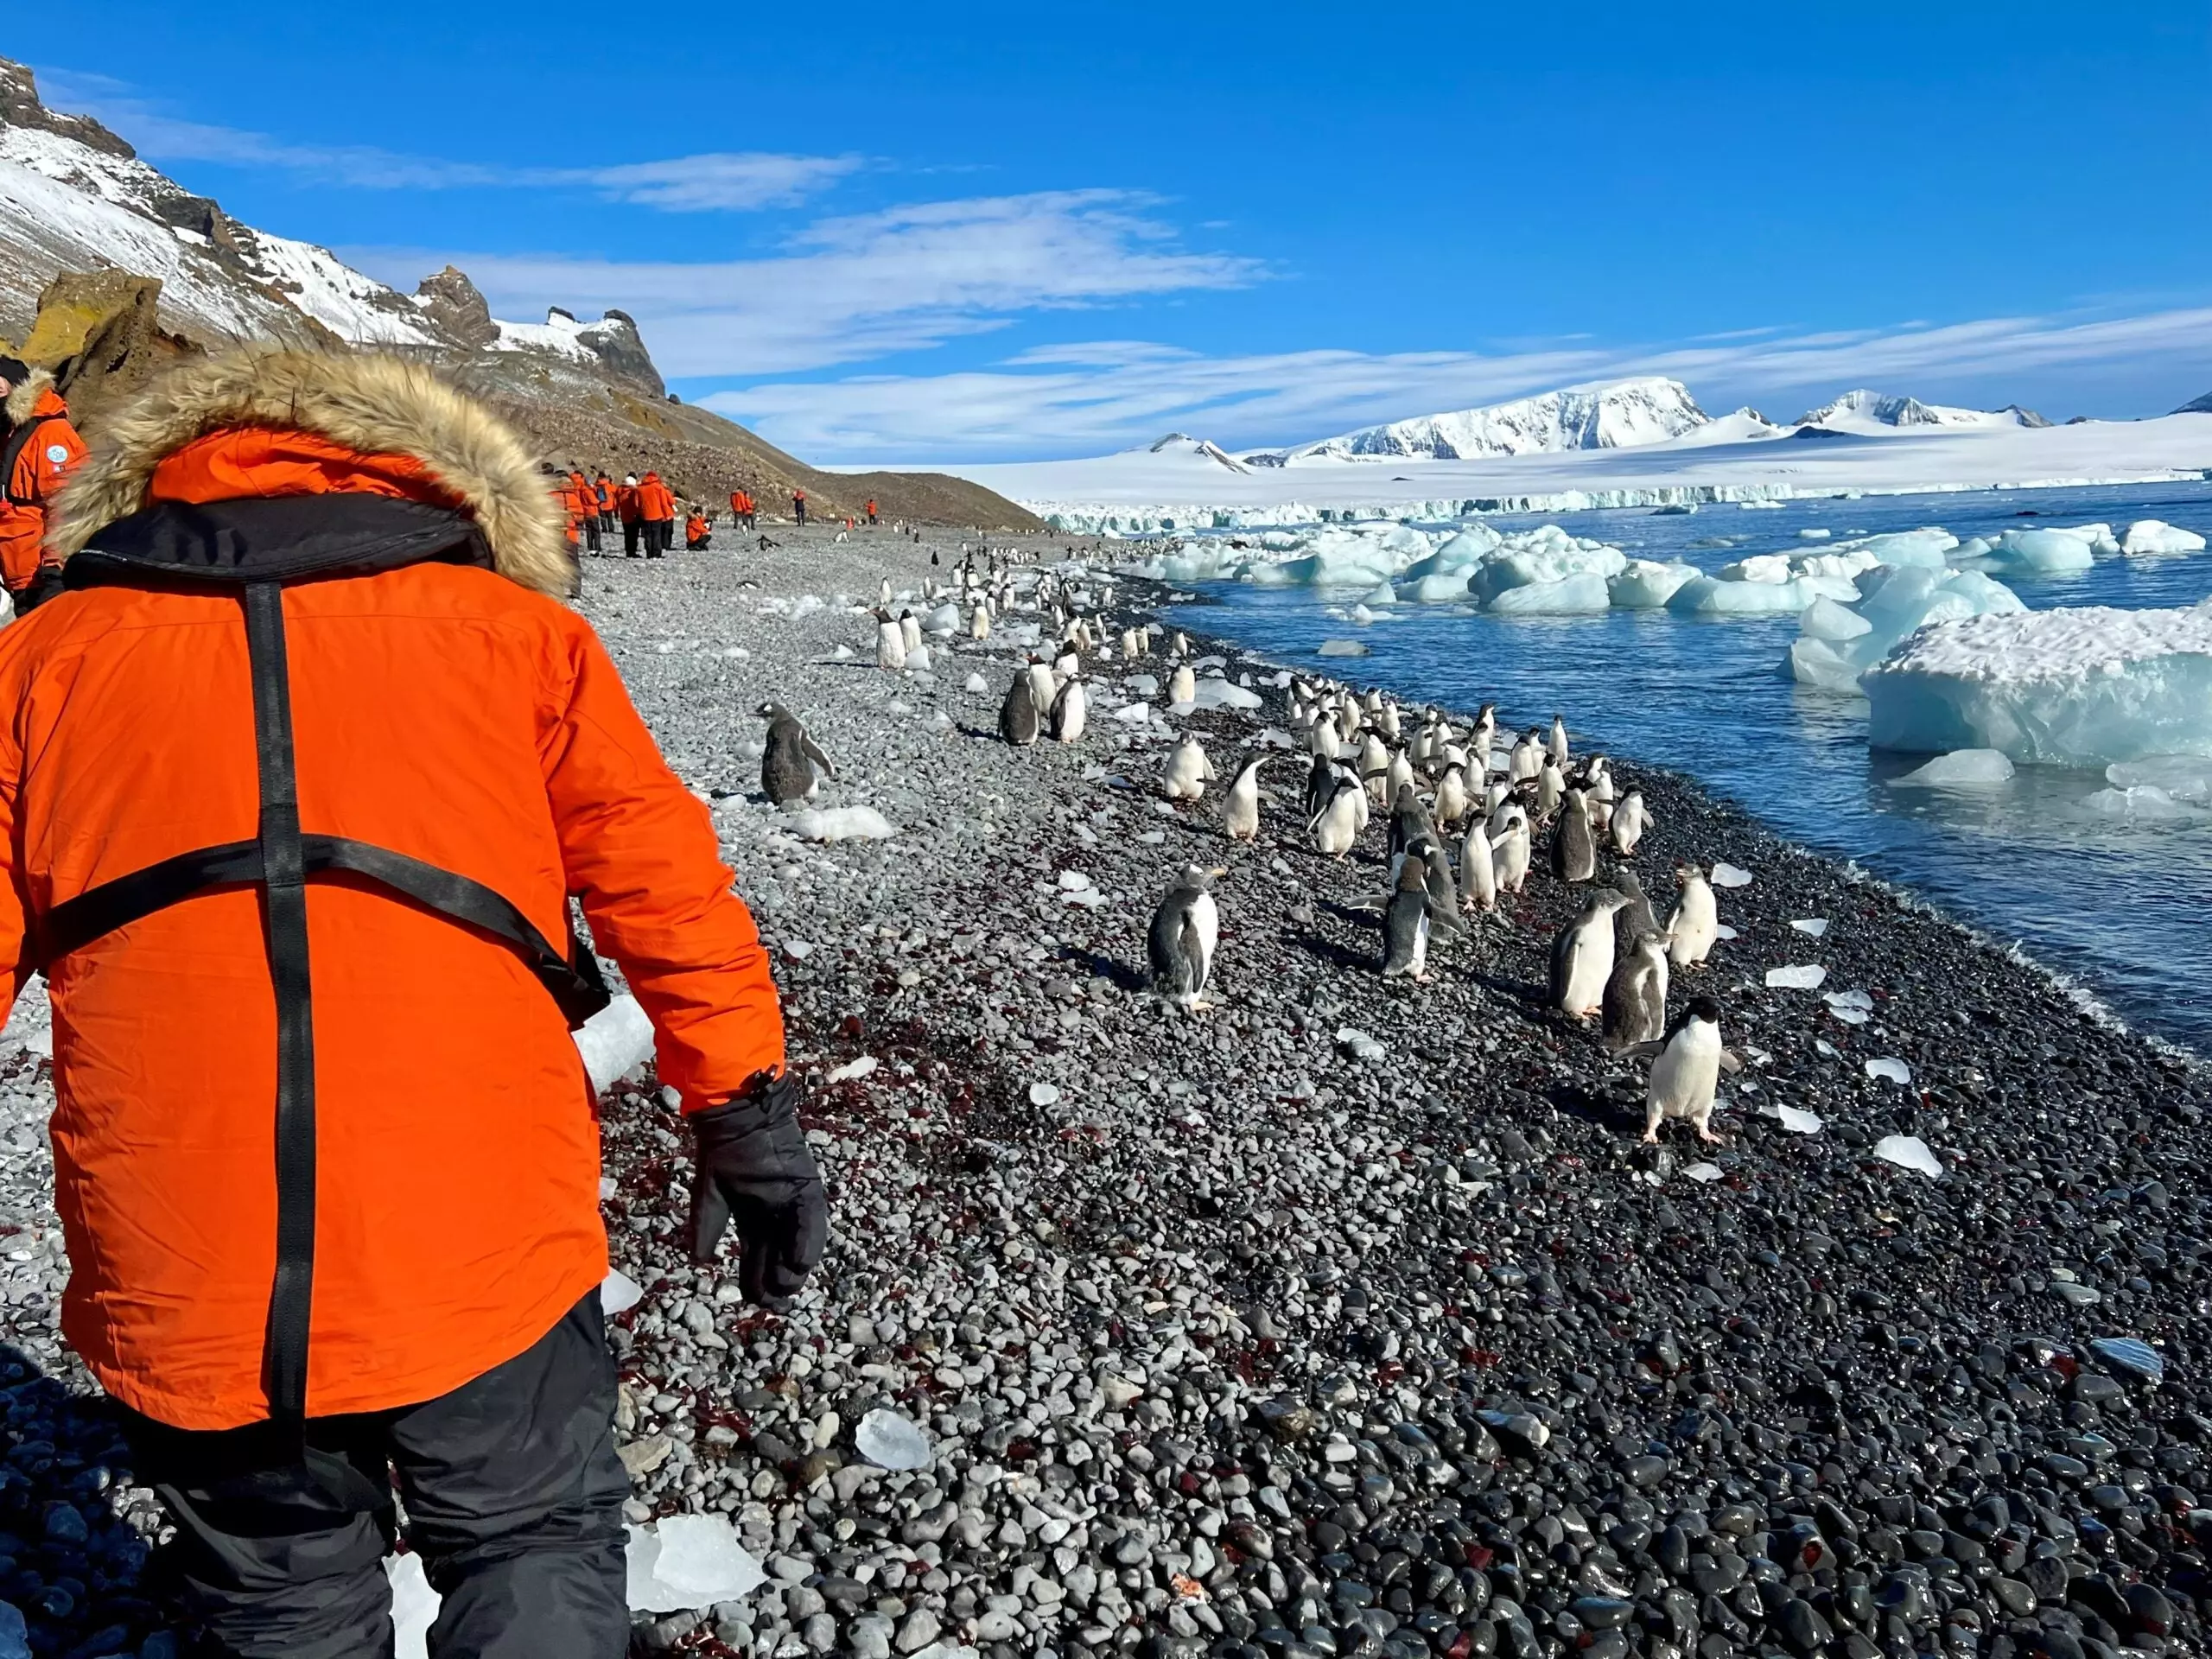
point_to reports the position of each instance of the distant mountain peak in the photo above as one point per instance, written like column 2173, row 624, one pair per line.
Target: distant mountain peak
column 1861, row 409
column 2197, row 406
column 1648, row 409
column 1200, row 448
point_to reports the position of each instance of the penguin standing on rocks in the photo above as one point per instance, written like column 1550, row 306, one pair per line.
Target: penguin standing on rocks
column 1452, row 796
column 1557, row 744
column 1321, row 784
column 1479, row 867
column 909, row 631
column 1070, row 708
column 1511, row 842
column 1409, row 821
column 1180, row 942
column 1188, row 771
column 1406, row 922
column 1636, row 917
column 788, row 761
column 1696, row 921
column 1629, row 822
column 1635, row 1007
column 1240, row 809
column 1335, row 827
column 890, row 643
column 1687, row 1071
column 1182, row 685
column 1574, row 848
column 1582, row 957
column 1018, row 720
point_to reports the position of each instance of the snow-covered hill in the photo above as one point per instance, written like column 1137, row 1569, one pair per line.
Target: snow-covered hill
column 1617, row 417
column 1871, row 411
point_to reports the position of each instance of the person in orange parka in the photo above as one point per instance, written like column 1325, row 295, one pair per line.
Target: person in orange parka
column 625, row 506
column 656, row 507
column 602, row 489
column 298, row 777
column 871, row 509
column 585, row 508
column 696, row 530
column 798, row 506
column 38, row 448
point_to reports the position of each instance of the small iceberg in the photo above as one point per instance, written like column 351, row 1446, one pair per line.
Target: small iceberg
column 1960, row 769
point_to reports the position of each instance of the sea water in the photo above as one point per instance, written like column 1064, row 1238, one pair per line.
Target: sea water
column 2123, row 907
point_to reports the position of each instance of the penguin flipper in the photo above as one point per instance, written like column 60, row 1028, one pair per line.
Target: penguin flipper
column 1729, row 1063
column 814, row 753
column 1646, row 1051
column 1445, row 921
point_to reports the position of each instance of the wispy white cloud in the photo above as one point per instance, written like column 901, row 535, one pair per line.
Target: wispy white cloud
column 717, row 180
column 1077, row 399
column 865, row 287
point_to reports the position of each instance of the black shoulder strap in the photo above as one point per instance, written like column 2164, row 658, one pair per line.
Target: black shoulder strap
column 18, row 441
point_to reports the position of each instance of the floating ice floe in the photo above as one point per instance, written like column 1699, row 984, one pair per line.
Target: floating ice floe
column 891, row 1441
column 1341, row 648
column 1961, row 769
column 1798, row 977
column 2075, row 687
column 2143, row 804
column 1910, row 1152
column 2184, row 778
column 1894, row 1071
column 836, row 823
column 1646, row 586
column 685, row 1561
column 2040, row 553
column 853, row 1070
column 2151, row 538
column 614, row 1042
column 1839, row 643
column 1725, row 874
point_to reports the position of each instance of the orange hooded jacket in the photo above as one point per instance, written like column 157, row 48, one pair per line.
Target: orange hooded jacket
column 46, row 448
column 346, row 554
column 655, row 499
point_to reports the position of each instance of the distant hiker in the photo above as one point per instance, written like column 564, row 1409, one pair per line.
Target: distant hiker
column 871, row 509
column 798, row 506
column 331, row 1186
column 656, row 507
column 626, row 504
column 741, row 510
column 38, row 449
column 602, row 489
column 696, row 530
column 587, row 506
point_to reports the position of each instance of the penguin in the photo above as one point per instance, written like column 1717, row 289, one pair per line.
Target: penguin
column 788, row 761
column 1180, row 942
column 890, row 643
column 909, row 631
column 1188, row 772
column 1240, row 809
column 1181, row 648
column 1322, row 739
column 1696, row 921
column 1409, row 820
column 883, row 593
column 1636, row 919
column 1451, row 797
column 1443, row 891
column 1398, row 775
column 1635, row 1007
column 1069, row 711
column 1320, row 784
column 1551, row 787
column 1479, row 867
column 1405, row 924
column 1182, row 685
column 1557, row 743
column 1525, row 761
column 1582, row 957
column 1375, row 769
column 1511, row 844
column 1335, row 827
column 1628, row 821
column 1574, row 851
column 1687, row 1070
column 1043, row 685
column 1018, row 721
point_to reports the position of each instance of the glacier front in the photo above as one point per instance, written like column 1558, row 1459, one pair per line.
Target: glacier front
column 2086, row 686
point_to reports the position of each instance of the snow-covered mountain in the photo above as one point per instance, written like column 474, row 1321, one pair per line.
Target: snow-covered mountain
column 1179, row 443
column 1866, row 411
column 1617, row 417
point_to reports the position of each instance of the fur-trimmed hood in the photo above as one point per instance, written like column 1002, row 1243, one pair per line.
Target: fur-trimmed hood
column 373, row 405
column 22, row 398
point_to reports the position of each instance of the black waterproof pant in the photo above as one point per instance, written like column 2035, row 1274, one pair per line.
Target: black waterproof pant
column 630, row 528
column 514, row 1502
column 660, row 535
column 591, row 531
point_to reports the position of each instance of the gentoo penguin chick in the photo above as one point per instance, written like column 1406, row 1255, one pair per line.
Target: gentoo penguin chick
column 1574, row 848
column 1335, row 827
column 1558, row 742
column 890, row 642
column 1582, row 957
column 1405, row 924
column 1696, row 921
column 1182, row 940
column 1070, row 710
column 1018, row 719
column 1182, row 685
column 1479, row 867
column 1687, row 1071
column 1634, row 1008
column 1511, row 844
column 909, row 631
column 1630, row 820
column 1188, row 772
column 1240, row 810
column 788, row 761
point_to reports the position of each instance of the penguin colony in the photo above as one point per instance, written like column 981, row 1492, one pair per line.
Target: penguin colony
column 1466, row 813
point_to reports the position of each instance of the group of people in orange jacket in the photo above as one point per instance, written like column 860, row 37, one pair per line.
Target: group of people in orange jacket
column 303, row 760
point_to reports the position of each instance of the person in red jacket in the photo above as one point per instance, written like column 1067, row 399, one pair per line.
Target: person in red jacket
column 751, row 510
column 871, row 509
column 696, row 530
column 657, row 508
column 38, row 448
column 298, row 776
column 602, row 489
column 626, row 504
column 798, row 506
column 587, row 507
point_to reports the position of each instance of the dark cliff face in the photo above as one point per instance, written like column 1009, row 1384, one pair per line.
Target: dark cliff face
column 621, row 349
column 456, row 309
column 20, row 107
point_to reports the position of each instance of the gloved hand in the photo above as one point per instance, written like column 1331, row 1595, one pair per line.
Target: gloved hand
column 752, row 1167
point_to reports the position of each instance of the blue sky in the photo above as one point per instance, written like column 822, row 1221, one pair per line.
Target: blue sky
column 995, row 231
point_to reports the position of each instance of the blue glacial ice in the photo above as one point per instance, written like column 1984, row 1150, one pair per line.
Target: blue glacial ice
column 1839, row 643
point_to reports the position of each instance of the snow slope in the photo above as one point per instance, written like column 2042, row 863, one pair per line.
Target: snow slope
column 1603, row 417
column 1873, row 411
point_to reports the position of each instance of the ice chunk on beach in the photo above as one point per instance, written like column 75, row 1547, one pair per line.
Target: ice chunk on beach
column 1961, row 769
column 1214, row 691
column 1797, row 1122
column 836, row 823
column 1647, row 586
column 891, row 1441
column 686, row 1561
column 1725, row 874
column 615, row 1042
column 1892, row 1070
column 1910, row 1152
column 1580, row 594
column 1812, row 926
column 2080, row 686
column 618, row 1293
column 1799, row 976
column 2151, row 538
column 944, row 619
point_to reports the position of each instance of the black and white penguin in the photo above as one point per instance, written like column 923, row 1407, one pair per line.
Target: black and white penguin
column 1180, row 942
column 1070, row 708
column 1320, row 784
column 788, row 761
column 1335, row 827
column 1635, row 1007
column 1696, row 921
column 1406, row 924
column 1240, row 808
column 1409, row 820
column 1636, row 919
column 1687, row 1070
column 1574, row 848
column 1018, row 717
column 1582, row 957
column 1510, row 842
column 1188, row 772
column 1479, row 867
column 1557, row 743
column 1629, row 822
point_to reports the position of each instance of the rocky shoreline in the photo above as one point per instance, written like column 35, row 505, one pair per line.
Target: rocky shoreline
column 1351, row 1318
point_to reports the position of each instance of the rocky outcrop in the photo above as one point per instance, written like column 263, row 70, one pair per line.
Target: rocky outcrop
column 621, row 349
column 100, row 331
column 20, row 107
column 455, row 308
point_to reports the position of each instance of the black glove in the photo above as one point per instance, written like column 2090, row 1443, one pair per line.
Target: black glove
column 751, row 1167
